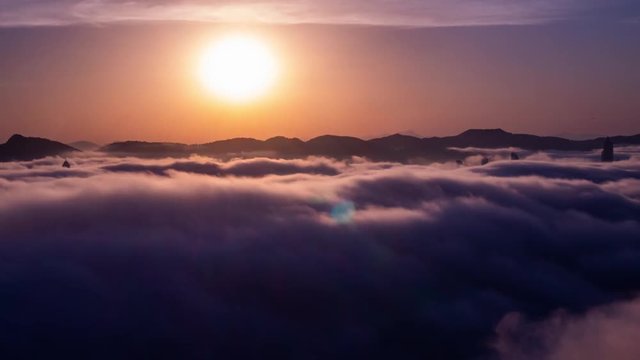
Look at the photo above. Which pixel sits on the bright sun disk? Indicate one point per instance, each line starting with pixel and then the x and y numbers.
pixel 238 68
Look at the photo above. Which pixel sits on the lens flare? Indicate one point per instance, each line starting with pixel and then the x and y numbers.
pixel 343 212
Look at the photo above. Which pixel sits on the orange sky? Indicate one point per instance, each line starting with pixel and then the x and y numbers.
pixel 130 81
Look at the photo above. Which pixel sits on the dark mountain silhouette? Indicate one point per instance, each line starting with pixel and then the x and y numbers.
pixel 407 132
pixel 285 145
pixel 337 146
pixel 389 148
pixel 407 148
pixel 236 145
pixel 84 145
pixel 403 148
pixel 21 148
pixel 607 154
pixel 498 138
pixel 148 149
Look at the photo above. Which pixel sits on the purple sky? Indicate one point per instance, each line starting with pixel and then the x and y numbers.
pixel 374 12
pixel 107 70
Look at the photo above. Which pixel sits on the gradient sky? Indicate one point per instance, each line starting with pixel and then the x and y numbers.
pixel 111 70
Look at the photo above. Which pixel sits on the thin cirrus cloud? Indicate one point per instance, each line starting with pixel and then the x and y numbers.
pixel 371 12
pixel 315 258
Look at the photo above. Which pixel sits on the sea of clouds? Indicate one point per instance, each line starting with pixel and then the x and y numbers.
pixel 321 259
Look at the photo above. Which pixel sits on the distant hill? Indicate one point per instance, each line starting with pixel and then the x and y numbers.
pixel 389 148
pixel 402 148
pixel 148 149
pixel 85 145
pixel 21 148
pixel 498 138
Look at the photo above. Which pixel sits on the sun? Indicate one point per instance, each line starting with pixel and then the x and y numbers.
pixel 238 68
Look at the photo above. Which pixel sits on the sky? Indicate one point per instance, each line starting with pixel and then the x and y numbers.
pixel 115 70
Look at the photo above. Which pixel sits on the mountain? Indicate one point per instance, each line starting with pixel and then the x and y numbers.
pixel 407 132
pixel 337 146
pixel 236 145
pixel 84 145
pixel 21 148
pixel 395 147
pixel 285 145
pixel 498 138
pixel 147 149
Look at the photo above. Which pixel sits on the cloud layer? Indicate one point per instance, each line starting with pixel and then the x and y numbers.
pixel 307 258
pixel 373 12
pixel 607 332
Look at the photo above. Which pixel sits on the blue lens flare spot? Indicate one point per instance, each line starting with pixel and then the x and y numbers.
pixel 343 212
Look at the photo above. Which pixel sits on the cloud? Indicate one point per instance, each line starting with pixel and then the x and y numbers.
pixel 370 12
pixel 257 167
pixel 559 170
pixel 305 258
pixel 607 332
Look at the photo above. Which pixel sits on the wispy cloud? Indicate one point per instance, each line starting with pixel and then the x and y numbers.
pixel 373 12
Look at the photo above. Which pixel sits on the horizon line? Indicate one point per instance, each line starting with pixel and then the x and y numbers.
pixel 305 139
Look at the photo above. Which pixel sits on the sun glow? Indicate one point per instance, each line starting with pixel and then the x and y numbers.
pixel 238 68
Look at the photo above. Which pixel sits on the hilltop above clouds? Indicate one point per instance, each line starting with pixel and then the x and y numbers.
pixel 402 148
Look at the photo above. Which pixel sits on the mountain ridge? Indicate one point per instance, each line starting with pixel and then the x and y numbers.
pixel 23 148
pixel 396 147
